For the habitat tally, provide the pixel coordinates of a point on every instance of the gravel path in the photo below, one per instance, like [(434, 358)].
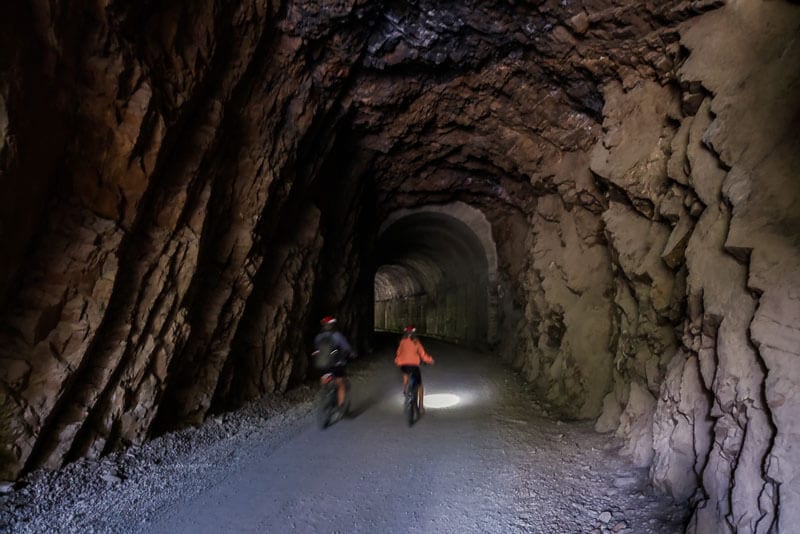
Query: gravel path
[(494, 462)]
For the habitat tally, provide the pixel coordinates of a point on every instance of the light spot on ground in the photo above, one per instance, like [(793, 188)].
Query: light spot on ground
[(441, 400)]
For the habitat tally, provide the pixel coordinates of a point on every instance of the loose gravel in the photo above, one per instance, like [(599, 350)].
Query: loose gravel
[(123, 491), (498, 462)]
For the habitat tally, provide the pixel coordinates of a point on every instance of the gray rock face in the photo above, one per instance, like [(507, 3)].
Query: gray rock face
[(569, 307), (682, 428), (714, 425), (215, 178), (749, 376)]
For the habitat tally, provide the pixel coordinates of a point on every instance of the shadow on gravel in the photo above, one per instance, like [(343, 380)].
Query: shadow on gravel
[(364, 405)]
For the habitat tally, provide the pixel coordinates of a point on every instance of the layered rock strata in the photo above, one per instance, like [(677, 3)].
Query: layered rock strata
[(197, 145), (214, 177)]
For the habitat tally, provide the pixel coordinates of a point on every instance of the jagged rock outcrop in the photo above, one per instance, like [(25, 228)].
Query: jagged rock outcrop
[(215, 177), (714, 426), (185, 171)]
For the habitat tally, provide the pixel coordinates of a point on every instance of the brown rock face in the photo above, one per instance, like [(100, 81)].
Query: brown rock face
[(605, 194)]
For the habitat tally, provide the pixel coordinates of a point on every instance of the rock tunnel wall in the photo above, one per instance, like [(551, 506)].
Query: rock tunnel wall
[(214, 177), (693, 273), (184, 224)]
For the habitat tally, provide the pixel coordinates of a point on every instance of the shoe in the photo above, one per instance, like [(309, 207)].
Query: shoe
[(422, 411)]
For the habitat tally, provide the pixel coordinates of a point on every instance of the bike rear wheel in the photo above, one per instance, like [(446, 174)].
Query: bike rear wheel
[(411, 407), (346, 406), (326, 407)]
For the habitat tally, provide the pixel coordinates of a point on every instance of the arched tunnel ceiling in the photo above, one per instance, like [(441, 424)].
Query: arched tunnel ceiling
[(395, 281), (436, 266), (190, 210), (478, 99), (424, 250)]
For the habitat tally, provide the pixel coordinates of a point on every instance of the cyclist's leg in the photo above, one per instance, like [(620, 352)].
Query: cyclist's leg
[(340, 391), (405, 370)]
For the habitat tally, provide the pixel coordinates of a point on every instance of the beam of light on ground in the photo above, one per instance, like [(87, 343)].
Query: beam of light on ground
[(441, 400)]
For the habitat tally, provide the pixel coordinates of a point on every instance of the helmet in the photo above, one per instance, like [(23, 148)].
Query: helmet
[(410, 329), (328, 320)]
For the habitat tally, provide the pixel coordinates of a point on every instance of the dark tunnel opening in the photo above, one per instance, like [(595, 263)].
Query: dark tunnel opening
[(436, 270)]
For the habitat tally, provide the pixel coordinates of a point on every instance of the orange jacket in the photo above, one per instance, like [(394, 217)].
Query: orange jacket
[(411, 352)]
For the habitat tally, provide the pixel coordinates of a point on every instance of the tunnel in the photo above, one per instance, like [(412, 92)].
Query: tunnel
[(589, 211), (436, 274)]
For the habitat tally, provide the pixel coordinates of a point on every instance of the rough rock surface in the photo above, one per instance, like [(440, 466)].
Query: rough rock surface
[(215, 175)]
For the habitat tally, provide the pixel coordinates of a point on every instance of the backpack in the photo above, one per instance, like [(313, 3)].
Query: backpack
[(325, 357)]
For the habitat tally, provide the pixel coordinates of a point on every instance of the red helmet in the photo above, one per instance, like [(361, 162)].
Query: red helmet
[(328, 320), (410, 329)]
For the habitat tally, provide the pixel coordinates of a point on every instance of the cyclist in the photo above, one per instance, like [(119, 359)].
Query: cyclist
[(410, 353), (335, 351)]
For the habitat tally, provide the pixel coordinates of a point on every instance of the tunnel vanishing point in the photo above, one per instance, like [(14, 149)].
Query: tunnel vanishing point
[(604, 194)]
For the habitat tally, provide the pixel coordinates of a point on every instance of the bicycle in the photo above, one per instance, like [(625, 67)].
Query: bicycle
[(328, 410), (411, 405)]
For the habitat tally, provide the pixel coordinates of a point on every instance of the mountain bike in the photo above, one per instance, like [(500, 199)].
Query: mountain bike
[(411, 406), (328, 411)]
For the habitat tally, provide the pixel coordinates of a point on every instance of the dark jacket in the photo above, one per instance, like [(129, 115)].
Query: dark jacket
[(337, 341)]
